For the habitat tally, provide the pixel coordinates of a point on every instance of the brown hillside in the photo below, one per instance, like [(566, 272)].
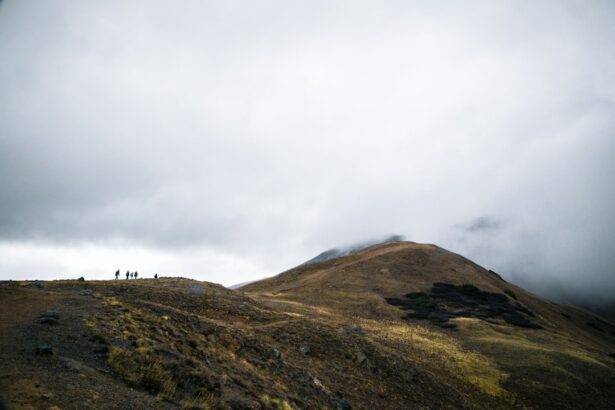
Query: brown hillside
[(400, 325), (545, 365)]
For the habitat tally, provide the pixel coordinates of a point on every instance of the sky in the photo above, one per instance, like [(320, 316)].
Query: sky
[(229, 141)]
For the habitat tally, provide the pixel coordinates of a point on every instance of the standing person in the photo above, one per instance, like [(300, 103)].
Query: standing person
[(136, 274), (127, 274), (132, 275), (117, 274), (156, 276)]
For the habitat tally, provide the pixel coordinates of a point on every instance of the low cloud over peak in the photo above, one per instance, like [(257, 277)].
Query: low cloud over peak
[(233, 141)]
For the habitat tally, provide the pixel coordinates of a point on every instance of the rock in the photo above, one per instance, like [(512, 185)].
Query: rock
[(44, 350), (50, 317), (276, 353), (48, 320), (341, 404), (360, 357), (47, 396), (319, 384), (51, 313), (86, 292), (303, 349), (81, 278), (38, 284)]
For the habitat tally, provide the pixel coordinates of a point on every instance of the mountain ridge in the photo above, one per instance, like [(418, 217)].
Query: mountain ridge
[(393, 325)]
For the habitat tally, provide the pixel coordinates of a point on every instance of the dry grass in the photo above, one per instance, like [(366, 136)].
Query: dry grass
[(274, 404), (441, 354), (142, 369), (208, 349)]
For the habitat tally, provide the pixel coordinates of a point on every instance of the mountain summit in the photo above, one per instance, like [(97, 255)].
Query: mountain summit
[(347, 250)]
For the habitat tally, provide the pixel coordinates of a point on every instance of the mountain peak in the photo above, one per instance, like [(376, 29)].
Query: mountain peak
[(350, 249)]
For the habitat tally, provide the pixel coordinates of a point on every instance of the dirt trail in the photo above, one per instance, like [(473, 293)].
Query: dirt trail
[(76, 375)]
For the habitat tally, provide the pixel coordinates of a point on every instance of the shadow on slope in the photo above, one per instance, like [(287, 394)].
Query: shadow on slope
[(447, 301)]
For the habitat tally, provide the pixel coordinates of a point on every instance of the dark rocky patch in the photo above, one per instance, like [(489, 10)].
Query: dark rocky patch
[(48, 320), (51, 313), (50, 317), (566, 315), (446, 301)]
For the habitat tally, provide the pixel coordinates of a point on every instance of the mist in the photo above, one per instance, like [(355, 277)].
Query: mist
[(231, 141)]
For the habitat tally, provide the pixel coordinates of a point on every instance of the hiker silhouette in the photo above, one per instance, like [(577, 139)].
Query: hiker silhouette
[(156, 276), (132, 275), (117, 274), (127, 274), (136, 274)]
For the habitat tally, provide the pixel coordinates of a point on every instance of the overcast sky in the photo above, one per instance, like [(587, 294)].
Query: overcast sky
[(228, 141)]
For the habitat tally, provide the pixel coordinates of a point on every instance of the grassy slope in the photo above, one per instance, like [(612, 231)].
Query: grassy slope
[(566, 365), (308, 338), (182, 343)]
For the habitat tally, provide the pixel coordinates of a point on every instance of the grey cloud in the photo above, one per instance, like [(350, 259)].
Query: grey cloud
[(481, 224), (271, 132)]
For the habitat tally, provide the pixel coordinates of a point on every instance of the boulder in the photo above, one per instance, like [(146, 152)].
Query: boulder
[(49, 317), (48, 320)]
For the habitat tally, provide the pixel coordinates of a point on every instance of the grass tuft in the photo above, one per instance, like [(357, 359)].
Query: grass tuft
[(142, 369), (274, 404)]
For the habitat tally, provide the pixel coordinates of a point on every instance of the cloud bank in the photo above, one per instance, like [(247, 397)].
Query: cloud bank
[(231, 140)]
